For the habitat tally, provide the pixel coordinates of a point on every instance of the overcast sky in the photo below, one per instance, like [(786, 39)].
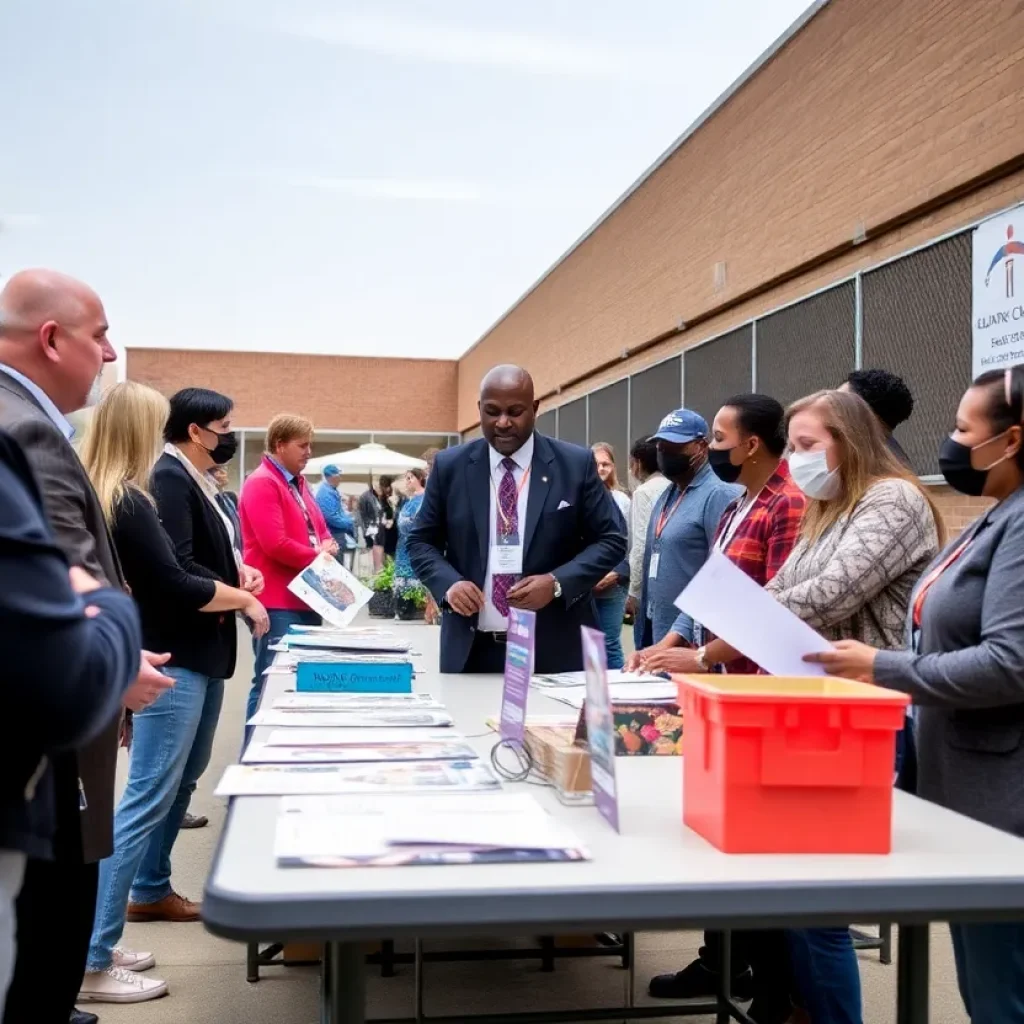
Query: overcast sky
[(383, 177)]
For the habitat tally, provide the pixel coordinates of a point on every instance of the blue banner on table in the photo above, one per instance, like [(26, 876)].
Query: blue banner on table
[(519, 650), (600, 726)]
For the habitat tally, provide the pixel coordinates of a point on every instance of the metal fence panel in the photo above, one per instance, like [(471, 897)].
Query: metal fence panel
[(808, 346), (716, 371), (917, 323), (655, 393), (609, 420), (572, 422)]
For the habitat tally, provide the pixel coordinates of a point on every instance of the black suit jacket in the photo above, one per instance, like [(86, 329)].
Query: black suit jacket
[(572, 530), (64, 674), (75, 515), (170, 595)]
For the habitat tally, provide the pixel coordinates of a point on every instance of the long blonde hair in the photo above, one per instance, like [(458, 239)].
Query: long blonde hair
[(864, 459), (123, 442), (612, 483)]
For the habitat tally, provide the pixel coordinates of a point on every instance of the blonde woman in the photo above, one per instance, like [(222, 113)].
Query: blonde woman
[(868, 532), (178, 558), (612, 591)]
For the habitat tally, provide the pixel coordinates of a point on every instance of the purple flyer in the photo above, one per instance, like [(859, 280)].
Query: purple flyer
[(600, 727), (522, 626)]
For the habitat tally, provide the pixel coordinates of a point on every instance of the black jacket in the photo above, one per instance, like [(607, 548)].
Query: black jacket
[(573, 529), (63, 675), (172, 555)]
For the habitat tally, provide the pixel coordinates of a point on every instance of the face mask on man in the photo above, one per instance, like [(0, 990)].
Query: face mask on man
[(224, 450), (957, 470), (811, 474), (678, 467)]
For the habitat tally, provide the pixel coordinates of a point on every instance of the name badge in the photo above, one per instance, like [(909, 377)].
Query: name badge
[(655, 559), (507, 555)]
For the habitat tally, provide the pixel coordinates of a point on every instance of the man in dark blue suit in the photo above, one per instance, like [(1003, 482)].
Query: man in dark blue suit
[(515, 520)]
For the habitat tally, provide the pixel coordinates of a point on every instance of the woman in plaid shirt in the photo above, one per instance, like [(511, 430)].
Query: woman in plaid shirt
[(757, 531)]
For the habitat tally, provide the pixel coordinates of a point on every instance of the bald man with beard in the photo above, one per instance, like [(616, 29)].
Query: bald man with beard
[(514, 520), (53, 344)]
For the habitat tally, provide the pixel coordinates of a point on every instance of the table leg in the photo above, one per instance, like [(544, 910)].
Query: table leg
[(343, 984), (725, 980), (912, 975)]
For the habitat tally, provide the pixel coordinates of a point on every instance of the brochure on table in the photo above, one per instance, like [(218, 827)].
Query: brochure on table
[(330, 590), (519, 655), (600, 727), (454, 829), (725, 600), (355, 702), (325, 779), (355, 719), (260, 752)]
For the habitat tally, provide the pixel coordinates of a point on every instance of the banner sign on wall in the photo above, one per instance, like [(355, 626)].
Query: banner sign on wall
[(998, 292)]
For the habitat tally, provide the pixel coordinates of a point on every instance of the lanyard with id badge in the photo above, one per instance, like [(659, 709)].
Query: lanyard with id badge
[(659, 528), (507, 552)]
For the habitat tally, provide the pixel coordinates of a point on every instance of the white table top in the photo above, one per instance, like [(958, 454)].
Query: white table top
[(656, 874)]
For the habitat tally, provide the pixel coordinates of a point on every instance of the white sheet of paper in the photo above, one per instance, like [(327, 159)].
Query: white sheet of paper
[(660, 692), (258, 752), (725, 600), (355, 702), (375, 718), (359, 737), (506, 559), (615, 677)]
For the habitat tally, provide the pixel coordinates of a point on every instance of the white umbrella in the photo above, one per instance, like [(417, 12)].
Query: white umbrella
[(372, 458)]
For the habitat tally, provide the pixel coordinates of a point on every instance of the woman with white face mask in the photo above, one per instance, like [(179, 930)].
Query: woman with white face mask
[(868, 533)]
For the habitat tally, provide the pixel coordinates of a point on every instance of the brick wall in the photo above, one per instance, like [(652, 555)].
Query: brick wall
[(873, 110), (958, 510), (336, 392)]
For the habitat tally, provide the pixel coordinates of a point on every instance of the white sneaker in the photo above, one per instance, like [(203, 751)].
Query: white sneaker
[(116, 985), (132, 960)]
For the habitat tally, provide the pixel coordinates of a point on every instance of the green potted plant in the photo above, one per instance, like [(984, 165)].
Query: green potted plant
[(382, 604), (410, 600)]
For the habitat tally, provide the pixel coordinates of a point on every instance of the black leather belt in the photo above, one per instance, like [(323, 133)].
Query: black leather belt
[(495, 636)]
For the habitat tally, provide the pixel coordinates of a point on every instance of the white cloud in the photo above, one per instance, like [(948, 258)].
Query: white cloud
[(472, 47), (19, 220)]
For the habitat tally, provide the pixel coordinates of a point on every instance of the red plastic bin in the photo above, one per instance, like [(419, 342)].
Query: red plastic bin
[(789, 765)]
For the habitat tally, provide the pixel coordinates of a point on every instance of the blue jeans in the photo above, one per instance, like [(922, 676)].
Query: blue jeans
[(611, 607), (826, 973), (990, 971), (171, 745)]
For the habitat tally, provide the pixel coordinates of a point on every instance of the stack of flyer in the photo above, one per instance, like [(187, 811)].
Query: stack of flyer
[(474, 828)]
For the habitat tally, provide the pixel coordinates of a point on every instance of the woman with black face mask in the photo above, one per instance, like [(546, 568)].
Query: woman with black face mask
[(965, 669)]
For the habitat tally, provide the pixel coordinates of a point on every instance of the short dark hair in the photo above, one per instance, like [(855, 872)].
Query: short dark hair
[(645, 452), (1003, 414), (420, 474), (888, 395), (386, 481), (760, 416), (194, 405)]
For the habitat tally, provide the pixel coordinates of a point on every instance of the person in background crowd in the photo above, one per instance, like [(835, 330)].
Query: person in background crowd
[(174, 543), (228, 501), (283, 531), (53, 344), (757, 532), (405, 578), (867, 534), (71, 649), (611, 592), (683, 522), (431, 614), (514, 520), (643, 466), (389, 502), (340, 524), (965, 671), (370, 515), (889, 399)]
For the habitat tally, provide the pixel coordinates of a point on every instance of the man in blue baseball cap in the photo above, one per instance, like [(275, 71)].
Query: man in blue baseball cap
[(339, 522), (683, 522)]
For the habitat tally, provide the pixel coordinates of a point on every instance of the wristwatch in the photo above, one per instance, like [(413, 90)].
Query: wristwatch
[(702, 658), (558, 586)]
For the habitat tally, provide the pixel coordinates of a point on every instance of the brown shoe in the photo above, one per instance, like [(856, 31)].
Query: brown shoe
[(172, 907)]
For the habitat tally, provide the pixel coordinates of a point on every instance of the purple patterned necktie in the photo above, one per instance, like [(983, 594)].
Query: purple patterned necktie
[(506, 526)]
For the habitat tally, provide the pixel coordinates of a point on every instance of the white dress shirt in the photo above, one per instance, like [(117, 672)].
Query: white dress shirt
[(491, 620), (59, 419)]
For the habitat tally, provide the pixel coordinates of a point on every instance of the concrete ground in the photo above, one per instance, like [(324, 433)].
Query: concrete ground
[(206, 975)]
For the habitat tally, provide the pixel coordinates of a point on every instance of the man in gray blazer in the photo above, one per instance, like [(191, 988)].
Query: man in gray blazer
[(53, 344)]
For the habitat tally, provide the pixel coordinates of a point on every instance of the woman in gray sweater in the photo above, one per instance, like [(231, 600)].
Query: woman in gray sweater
[(965, 668)]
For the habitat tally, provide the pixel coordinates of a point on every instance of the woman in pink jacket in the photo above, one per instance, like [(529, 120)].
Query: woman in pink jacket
[(283, 530)]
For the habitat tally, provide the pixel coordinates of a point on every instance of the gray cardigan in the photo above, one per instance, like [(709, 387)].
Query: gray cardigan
[(968, 679)]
